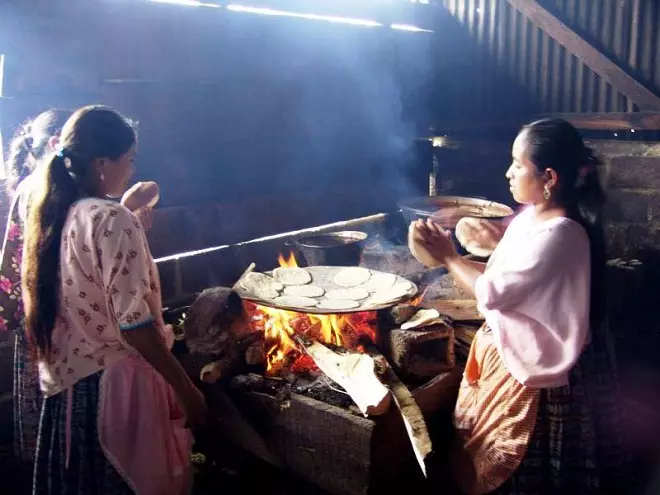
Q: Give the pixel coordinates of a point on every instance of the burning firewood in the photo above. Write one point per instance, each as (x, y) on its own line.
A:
(412, 416)
(214, 322)
(355, 372)
(255, 355)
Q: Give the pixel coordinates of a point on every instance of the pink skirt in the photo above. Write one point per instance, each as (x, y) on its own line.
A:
(141, 429)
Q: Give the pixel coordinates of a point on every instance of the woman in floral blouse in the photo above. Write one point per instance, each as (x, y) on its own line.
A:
(32, 142)
(116, 402)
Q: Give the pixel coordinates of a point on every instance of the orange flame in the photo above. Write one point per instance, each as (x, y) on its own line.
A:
(418, 300)
(289, 262)
(279, 326)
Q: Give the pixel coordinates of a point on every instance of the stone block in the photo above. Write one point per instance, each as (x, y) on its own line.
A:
(631, 239)
(634, 173)
(635, 207)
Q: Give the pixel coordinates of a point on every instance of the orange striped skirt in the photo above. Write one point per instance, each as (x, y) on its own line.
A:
(494, 418)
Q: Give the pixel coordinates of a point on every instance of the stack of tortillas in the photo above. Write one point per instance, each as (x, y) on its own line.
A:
(467, 233)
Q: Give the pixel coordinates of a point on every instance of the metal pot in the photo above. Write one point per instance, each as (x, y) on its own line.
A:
(448, 210)
(333, 249)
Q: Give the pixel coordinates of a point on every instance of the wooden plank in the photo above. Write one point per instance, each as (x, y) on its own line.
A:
(456, 309)
(588, 54)
(613, 121)
(596, 121)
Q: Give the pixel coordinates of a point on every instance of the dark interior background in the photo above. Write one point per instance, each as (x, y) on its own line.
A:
(234, 105)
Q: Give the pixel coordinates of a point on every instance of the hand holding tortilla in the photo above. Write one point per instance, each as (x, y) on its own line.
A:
(479, 236)
(430, 244)
(146, 217)
(141, 195)
(141, 199)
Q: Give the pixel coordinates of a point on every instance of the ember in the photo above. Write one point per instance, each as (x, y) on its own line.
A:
(282, 354)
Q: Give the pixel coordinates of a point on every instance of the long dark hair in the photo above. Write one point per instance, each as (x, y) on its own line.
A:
(30, 144)
(91, 133)
(556, 144)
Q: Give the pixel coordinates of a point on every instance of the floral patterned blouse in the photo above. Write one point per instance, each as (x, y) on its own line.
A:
(11, 308)
(108, 284)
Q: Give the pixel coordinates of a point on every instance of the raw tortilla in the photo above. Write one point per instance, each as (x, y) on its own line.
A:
(292, 276)
(391, 294)
(256, 281)
(352, 294)
(466, 228)
(423, 317)
(295, 301)
(264, 293)
(304, 291)
(351, 277)
(379, 281)
(337, 304)
(418, 251)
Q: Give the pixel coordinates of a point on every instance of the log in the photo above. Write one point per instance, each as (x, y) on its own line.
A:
(412, 416)
(399, 314)
(422, 353)
(456, 309)
(255, 354)
(221, 368)
(211, 324)
(355, 372)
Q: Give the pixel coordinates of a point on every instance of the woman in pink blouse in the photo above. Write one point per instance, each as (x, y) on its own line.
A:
(116, 400)
(537, 409)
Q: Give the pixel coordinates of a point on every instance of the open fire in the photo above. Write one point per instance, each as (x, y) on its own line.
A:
(344, 330)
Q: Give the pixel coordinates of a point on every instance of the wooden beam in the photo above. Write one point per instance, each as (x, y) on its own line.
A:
(613, 121)
(588, 54)
(603, 121)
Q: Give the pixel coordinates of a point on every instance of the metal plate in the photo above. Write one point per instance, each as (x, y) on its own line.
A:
(323, 276)
(459, 206)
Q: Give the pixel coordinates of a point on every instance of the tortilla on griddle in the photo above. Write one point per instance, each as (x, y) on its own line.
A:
(379, 281)
(352, 277)
(391, 294)
(256, 281)
(295, 301)
(292, 275)
(264, 293)
(351, 294)
(337, 304)
(304, 290)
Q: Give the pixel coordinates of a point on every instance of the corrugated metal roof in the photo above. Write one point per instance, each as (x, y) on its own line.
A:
(624, 30)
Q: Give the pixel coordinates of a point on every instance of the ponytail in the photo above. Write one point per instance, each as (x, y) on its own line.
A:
(588, 201)
(55, 194)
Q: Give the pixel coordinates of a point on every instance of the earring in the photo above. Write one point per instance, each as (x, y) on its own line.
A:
(102, 177)
(546, 192)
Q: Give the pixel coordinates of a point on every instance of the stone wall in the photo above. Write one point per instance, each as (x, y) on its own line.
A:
(632, 180)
